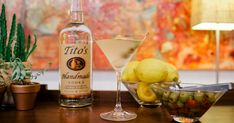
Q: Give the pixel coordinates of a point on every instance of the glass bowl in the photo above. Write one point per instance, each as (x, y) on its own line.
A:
(132, 88)
(188, 102)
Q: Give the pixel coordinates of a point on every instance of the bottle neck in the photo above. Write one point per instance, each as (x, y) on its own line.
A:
(77, 17)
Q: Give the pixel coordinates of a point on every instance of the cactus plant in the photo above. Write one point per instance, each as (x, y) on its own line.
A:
(11, 39)
(3, 34)
(21, 49)
(14, 50)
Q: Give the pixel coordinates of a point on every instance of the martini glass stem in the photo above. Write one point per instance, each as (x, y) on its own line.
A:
(118, 106)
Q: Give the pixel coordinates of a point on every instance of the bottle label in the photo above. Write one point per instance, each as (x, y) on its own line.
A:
(75, 69)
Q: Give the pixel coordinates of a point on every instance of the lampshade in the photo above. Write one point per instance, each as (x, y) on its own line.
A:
(212, 15)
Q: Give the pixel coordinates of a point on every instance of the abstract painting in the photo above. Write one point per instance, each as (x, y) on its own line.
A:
(167, 22)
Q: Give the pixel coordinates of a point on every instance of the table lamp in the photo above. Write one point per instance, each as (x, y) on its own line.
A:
(215, 15)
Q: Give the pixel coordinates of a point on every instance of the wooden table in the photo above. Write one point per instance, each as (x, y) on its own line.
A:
(47, 110)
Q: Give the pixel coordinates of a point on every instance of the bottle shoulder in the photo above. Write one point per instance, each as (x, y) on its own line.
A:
(71, 27)
(77, 30)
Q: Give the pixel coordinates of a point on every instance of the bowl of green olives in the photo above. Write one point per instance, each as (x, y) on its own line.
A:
(187, 102)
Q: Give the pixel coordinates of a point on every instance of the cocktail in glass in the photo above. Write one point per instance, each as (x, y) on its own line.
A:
(119, 51)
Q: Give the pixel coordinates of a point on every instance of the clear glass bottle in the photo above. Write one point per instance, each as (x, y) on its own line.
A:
(75, 60)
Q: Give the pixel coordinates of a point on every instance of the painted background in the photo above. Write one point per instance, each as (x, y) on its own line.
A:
(167, 21)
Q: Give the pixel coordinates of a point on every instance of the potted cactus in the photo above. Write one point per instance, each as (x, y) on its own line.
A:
(15, 51)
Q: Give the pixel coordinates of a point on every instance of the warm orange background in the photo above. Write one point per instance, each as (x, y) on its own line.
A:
(167, 21)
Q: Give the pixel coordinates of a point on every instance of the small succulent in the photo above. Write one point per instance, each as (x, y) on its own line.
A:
(21, 74)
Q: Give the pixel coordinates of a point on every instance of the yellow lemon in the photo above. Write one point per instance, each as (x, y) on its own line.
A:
(151, 70)
(145, 93)
(129, 74)
(173, 75)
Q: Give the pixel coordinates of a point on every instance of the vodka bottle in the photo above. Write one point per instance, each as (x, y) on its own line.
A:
(75, 60)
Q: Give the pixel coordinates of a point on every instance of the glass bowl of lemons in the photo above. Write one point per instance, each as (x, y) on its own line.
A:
(143, 93)
(187, 102)
(139, 75)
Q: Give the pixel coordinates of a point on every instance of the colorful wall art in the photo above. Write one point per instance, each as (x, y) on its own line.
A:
(167, 21)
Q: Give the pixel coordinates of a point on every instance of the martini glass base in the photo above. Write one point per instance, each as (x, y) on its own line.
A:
(118, 116)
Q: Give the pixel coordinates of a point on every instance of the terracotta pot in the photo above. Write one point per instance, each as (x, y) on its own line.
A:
(8, 100)
(2, 91)
(25, 95)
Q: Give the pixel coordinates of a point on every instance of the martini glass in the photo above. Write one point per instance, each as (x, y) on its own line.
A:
(119, 51)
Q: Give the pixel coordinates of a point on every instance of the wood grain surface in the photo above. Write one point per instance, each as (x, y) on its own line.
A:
(47, 110)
